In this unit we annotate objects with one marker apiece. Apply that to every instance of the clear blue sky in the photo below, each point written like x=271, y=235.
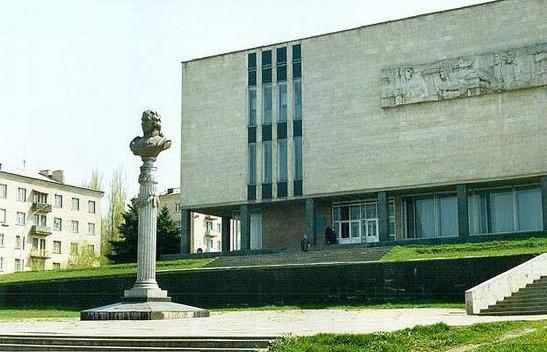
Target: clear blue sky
x=75, y=75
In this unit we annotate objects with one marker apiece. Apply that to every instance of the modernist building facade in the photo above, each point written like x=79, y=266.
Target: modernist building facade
x=45, y=222
x=427, y=127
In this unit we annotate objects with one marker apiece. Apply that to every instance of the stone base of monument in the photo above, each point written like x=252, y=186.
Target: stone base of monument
x=144, y=309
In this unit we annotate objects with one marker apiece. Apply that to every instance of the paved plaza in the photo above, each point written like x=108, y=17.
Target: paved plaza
x=257, y=323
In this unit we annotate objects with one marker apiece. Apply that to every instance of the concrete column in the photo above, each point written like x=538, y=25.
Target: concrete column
x=225, y=234
x=383, y=217
x=463, y=216
x=186, y=231
x=245, y=223
x=543, y=186
x=311, y=225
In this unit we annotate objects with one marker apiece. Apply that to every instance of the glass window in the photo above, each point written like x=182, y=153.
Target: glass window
x=355, y=229
x=58, y=201
x=1, y=240
x=21, y=218
x=91, y=207
x=266, y=58
x=57, y=247
x=90, y=249
x=282, y=162
x=22, y=194
x=17, y=242
x=251, y=66
x=3, y=190
x=476, y=203
x=39, y=198
x=17, y=264
x=75, y=226
x=252, y=107
x=345, y=213
x=501, y=211
x=267, y=162
x=297, y=84
x=2, y=215
x=448, y=215
x=75, y=204
x=344, y=231
x=1, y=263
x=40, y=220
x=337, y=212
x=529, y=209
x=91, y=229
x=282, y=109
x=252, y=164
x=56, y=266
x=267, y=104
x=73, y=248
x=355, y=212
x=57, y=224
x=298, y=158
x=425, y=217
x=266, y=66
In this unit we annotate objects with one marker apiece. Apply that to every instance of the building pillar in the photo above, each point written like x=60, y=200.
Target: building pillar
x=311, y=221
x=383, y=217
x=185, y=229
x=245, y=223
x=463, y=215
x=225, y=234
x=543, y=186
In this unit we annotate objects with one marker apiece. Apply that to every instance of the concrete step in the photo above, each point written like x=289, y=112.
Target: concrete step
x=24, y=347
x=516, y=300
x=525, y=307
x=514, y=312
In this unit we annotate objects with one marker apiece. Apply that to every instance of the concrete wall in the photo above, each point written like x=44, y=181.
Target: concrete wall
x=351, y=144
x=283, y=226
x=290, y=284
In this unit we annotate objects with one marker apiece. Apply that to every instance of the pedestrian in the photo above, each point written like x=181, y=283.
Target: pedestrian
x=305, y=243
x=329, y=236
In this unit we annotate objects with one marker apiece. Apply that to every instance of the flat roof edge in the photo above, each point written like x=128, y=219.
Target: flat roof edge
x=52, y=182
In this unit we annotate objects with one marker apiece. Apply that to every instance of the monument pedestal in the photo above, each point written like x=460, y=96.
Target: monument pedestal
x=139, y=309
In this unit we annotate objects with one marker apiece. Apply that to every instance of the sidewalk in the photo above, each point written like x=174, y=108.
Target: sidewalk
x=257, y=323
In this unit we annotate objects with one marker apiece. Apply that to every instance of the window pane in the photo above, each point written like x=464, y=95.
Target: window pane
x=345, y=213
x=529, y=210
x=267, y=105
x=371, y=211
x=297, y=99
x=282, y=162
x=252, y=164
x=251, y=63
x=355, y=212
x=266, y=58
x=337, y=213
x=448, y=215
x=477, y=213
x=282, y=109
x=267, y=162
x=298, y=158
x=425, y=213
x=252, y=107
x=296, y=52
x=355, y=229
x=501, y=211
x=281, y=55
x=345, y=230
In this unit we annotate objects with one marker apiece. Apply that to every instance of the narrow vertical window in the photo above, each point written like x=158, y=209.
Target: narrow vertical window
x=282, y=160
x=298, y=158
x=267, y=104
x=281, y=55
x=282, y=108
x=296, y=61
x=267, y=162
x=267, y=66
x=297, y=84
x=251, y=68
x=252, y=164
x=252, y=107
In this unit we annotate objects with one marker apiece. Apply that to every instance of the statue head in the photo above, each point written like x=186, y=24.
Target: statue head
x=151, y=124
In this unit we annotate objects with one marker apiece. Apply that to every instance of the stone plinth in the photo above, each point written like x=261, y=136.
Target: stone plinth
x=150, y=310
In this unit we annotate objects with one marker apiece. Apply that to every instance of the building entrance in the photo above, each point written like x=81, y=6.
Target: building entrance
x=357, y=222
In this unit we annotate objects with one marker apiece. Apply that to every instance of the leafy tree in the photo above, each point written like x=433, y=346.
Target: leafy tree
x=96, y=180
x=116, y=208
x=125, y=249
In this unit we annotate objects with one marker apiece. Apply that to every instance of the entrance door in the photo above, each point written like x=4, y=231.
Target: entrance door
x=369, y=224
x=256, y=230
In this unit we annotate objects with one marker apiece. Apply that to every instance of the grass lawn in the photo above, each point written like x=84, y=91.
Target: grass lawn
x=479, y=249
x=439, y=337
x=37, y=313
x=356, y=306
x=107, y=270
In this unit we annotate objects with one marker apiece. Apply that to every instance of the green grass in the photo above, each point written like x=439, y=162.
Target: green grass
x=37, y=313
x=438, y=337
x=107, y=270
x=479, y=249
x=356, y=306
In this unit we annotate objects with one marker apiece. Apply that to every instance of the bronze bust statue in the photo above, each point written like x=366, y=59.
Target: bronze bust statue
x=152, y=142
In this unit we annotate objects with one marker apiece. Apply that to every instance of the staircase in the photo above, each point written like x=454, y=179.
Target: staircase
x=316, y=254
x=531, y=299
x=116, y=343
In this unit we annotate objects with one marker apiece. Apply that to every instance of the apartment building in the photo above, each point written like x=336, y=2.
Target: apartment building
x=423, y=128
x=44, y=222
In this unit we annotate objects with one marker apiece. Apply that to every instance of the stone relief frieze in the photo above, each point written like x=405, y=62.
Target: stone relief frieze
x=466, y=76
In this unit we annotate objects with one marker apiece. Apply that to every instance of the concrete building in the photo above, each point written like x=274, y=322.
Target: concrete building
x=44, y=222
x=429, y=127
x=205, y=230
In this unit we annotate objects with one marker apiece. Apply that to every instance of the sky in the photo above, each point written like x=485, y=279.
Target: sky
x=75, y=75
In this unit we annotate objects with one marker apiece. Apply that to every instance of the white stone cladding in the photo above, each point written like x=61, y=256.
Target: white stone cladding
x=351, y=143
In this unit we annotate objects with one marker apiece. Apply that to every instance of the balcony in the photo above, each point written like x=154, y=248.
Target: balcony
x=40, y=230
x=40, y=253
x=41, y=207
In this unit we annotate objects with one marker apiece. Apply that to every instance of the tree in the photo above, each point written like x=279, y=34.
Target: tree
x=125, y=249
x=116, y=207
x=96, y=180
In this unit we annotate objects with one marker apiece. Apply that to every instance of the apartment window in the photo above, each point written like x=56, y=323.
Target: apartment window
x=252, y=107
x=56, y=266
x=75, y=226
x=1, y=240
x=91, y=207
x=282, y=160
x=267, y=162
x=20, y=218
x=22, y=194
x=40, y=220
x=297, y=85
x=251, y=67
x=57, y=224
x=209, y=226
x=75, y=204
x=431, y=216
x=267, y=104
x=281, y=58
x=58, y=201
x=3, y=190
x=90, y=249
x=39, y=197
x=91, y=229
x=267, y=66
x=1, y=264
x=17, y=264
x=57, y=247
x=282, y=108
x=73, y=248
x=177, y=208
x=17, y=242
x=2, y=215
x=296, y=61
x=298, y=158
x=252, y=164
x=505, y=210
